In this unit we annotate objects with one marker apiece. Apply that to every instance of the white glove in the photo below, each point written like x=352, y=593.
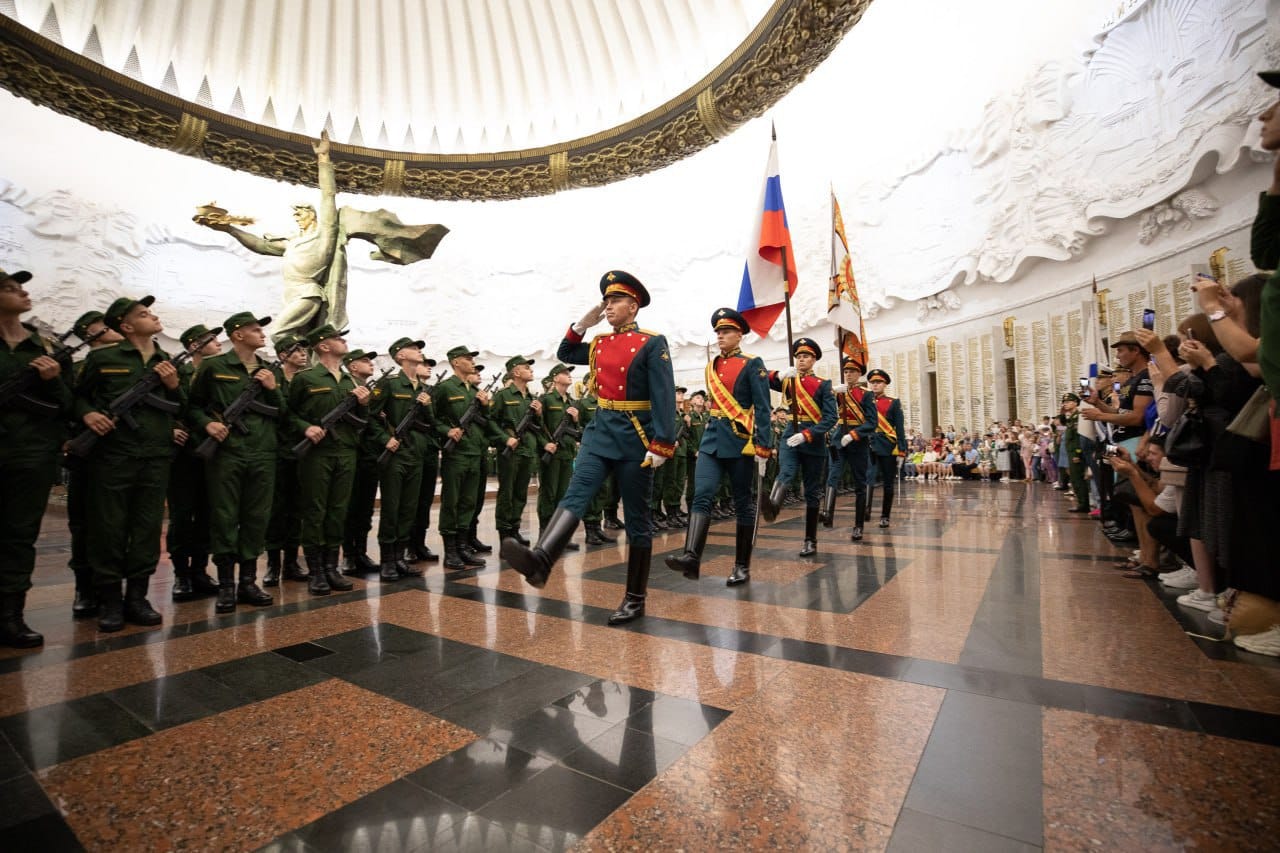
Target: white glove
x=795, y=440
x=846, y=439
x=761, y=465
x=786, y=373
x=653, y=460
x=589, y=319
x=839, y=388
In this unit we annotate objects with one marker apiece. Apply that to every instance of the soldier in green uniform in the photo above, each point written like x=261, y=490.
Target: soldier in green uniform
x=1070, y=418
x=283, y=528
x=588, y=405
x=85, y=603
x=241, y=475
x=325, y=473
x=128, y=470
x=400, y=478
x=672, y=475
x=494, y=437
x=518, y=453
x=554, y=473
x=364, y=483
x=31, y=435
x=697, y=425
x=187, y=537
x=460, y=463
x=418, y=549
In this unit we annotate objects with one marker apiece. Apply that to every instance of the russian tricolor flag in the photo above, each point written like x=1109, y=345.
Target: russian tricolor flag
x=764, y=291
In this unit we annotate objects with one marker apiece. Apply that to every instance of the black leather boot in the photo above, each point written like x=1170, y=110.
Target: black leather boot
x=470, y=558
x=248, y=590
x=518, y=536
x=85, y=604
x=676, y=519
x=632, y=606
x=886, y=504
x=182, y=590
x=273, y=569
x=742, y=556
x=318, y=583
x=403, y=566
x=226, y=566
x=331, y=573
x=810, y=532
x=358, y=562
x=772, y=502
x=293, y=570
x=387, y=570
x=14, y=632
x=474, y=543
x=418, y=550
x=612, y=522
x=201, y=584
x=860, y=515
x=452, y=557
x=137, y=610
x=695, y=539
x=110, y=607
x=535, y=563
x=595, y=536
x=828, y=514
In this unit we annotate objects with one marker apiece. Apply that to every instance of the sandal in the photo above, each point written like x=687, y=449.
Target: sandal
x=1128, y=565
x=1140, y=572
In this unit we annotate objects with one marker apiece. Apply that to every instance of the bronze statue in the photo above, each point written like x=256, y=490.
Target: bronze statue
x=315, y=259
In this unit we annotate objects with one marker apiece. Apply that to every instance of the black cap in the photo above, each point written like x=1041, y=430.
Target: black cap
x=729, y=317
x=618, y=282
x=877, y=373
x=808, y=345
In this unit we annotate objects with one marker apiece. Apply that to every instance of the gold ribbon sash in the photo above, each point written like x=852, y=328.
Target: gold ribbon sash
x=809, y=410
x=741, y=421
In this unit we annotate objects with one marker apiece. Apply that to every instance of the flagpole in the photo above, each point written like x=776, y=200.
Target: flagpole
x=786, y=302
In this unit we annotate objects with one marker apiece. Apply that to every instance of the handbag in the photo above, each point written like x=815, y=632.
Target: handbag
x=1253, y=421
x=1185, y=444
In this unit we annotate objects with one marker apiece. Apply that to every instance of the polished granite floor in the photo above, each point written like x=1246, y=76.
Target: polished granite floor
x=978, y=677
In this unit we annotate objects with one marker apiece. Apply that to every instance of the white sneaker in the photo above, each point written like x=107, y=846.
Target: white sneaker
x=1183, y=578
x=1267, y=643
x=1199, y=600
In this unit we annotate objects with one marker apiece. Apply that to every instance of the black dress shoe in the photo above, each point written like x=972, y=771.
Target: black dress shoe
x=855, y=535
x=884, y=522
x=810, y=548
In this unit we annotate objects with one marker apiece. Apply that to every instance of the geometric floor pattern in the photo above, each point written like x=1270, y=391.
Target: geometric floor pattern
x=977, y=677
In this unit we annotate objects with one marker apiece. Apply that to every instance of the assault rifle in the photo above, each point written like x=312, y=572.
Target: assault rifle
x=17, y=391
x=339, y=413
x=233, y=415
x=472, y=414
x=408, y=422
x=143, y=392
x=521, y=428
x=563, y=430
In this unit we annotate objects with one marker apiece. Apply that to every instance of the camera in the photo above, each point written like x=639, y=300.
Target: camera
x=1111, y=450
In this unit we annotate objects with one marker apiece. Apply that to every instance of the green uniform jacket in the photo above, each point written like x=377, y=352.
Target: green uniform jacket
x=286, y=436
x=112, y=370
x=312, y=394
x=24, y=436
x=693, y=434
x=217, y=384
x=451, y=399
x=553, y=412
x=392, y=399
x=1264, y=248
x=509, y=407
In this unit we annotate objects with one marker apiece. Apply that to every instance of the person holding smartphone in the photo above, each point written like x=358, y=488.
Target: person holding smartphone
x=1132, y=398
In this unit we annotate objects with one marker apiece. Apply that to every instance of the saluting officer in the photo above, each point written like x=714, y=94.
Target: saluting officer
x=284, y=527
x=325, y=474
x=850, y=443
x=460, y=465
x=553, y=475
x=804, y=441
x=518, y=454
x=633, y=432
x=737, y=439
x=241, y=475
x=890, y=439
x=30, y=439
x=128, y=471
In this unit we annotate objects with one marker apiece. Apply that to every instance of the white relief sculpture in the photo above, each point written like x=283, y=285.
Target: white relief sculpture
x=1178, y=211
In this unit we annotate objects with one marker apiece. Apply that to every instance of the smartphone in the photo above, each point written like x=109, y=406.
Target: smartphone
x=1115, y=385
x=1111, y=450
x=1084, y=382
x=1190, y=335
x=1148, y=318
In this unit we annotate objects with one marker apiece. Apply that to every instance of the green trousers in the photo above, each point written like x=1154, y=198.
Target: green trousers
x=427, y=491
x=240, y=492
x=364, y=493
x=24, y=497
x=553, y=482
x=324, y=487
x=126, y=514
x=400, y=482
x=188, y=496
x=1079, y=486
x=77, y=519
x=459, y=476
x=514, y=473
x=283, y=528
x=673, y=488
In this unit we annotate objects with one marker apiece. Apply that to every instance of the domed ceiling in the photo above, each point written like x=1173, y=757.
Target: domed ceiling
x=481, y=99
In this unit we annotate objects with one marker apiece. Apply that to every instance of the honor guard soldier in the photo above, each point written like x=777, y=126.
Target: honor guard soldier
x=517, y=414
x=889, y=441
x=32, y=429
x=400, y=399
x=813, y=414
x=364, y=485
x=633, y=432
x=326, y=472
x=284, y=527
x=455, y=399
x=556, y=458
x=128, y=468
x=737, y=439
x=187, y=536
x=472, y=536
x=850, y=445
x=241, y=468
x=85, y=603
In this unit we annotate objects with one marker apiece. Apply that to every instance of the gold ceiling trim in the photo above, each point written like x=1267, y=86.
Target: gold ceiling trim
x=792, y=39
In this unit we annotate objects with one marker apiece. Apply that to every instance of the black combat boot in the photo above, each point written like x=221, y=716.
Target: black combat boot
x=273, y=568
x=474, y=543
x=331, y=573
x=611, y=520
x=403, y=566
x=110, y=607
x=387, y=570
x=14, y=632
x=358, y=562
x=742, y=556
x=85, y=604
x=535, y=563
x=695, y=539
x=676, y=519
x=293, y=570
x=182, y=590
x=632, y=606
x=418, y=550
x=226, y=567
x=810, y=532
x=828, y=514
x=452, y=557
x=317, y=583
x=859, y=515
x=595, y=536
x=248, y=591
x=201, y=584
x=470, y=558
x=137, y=610
x=772, y=502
